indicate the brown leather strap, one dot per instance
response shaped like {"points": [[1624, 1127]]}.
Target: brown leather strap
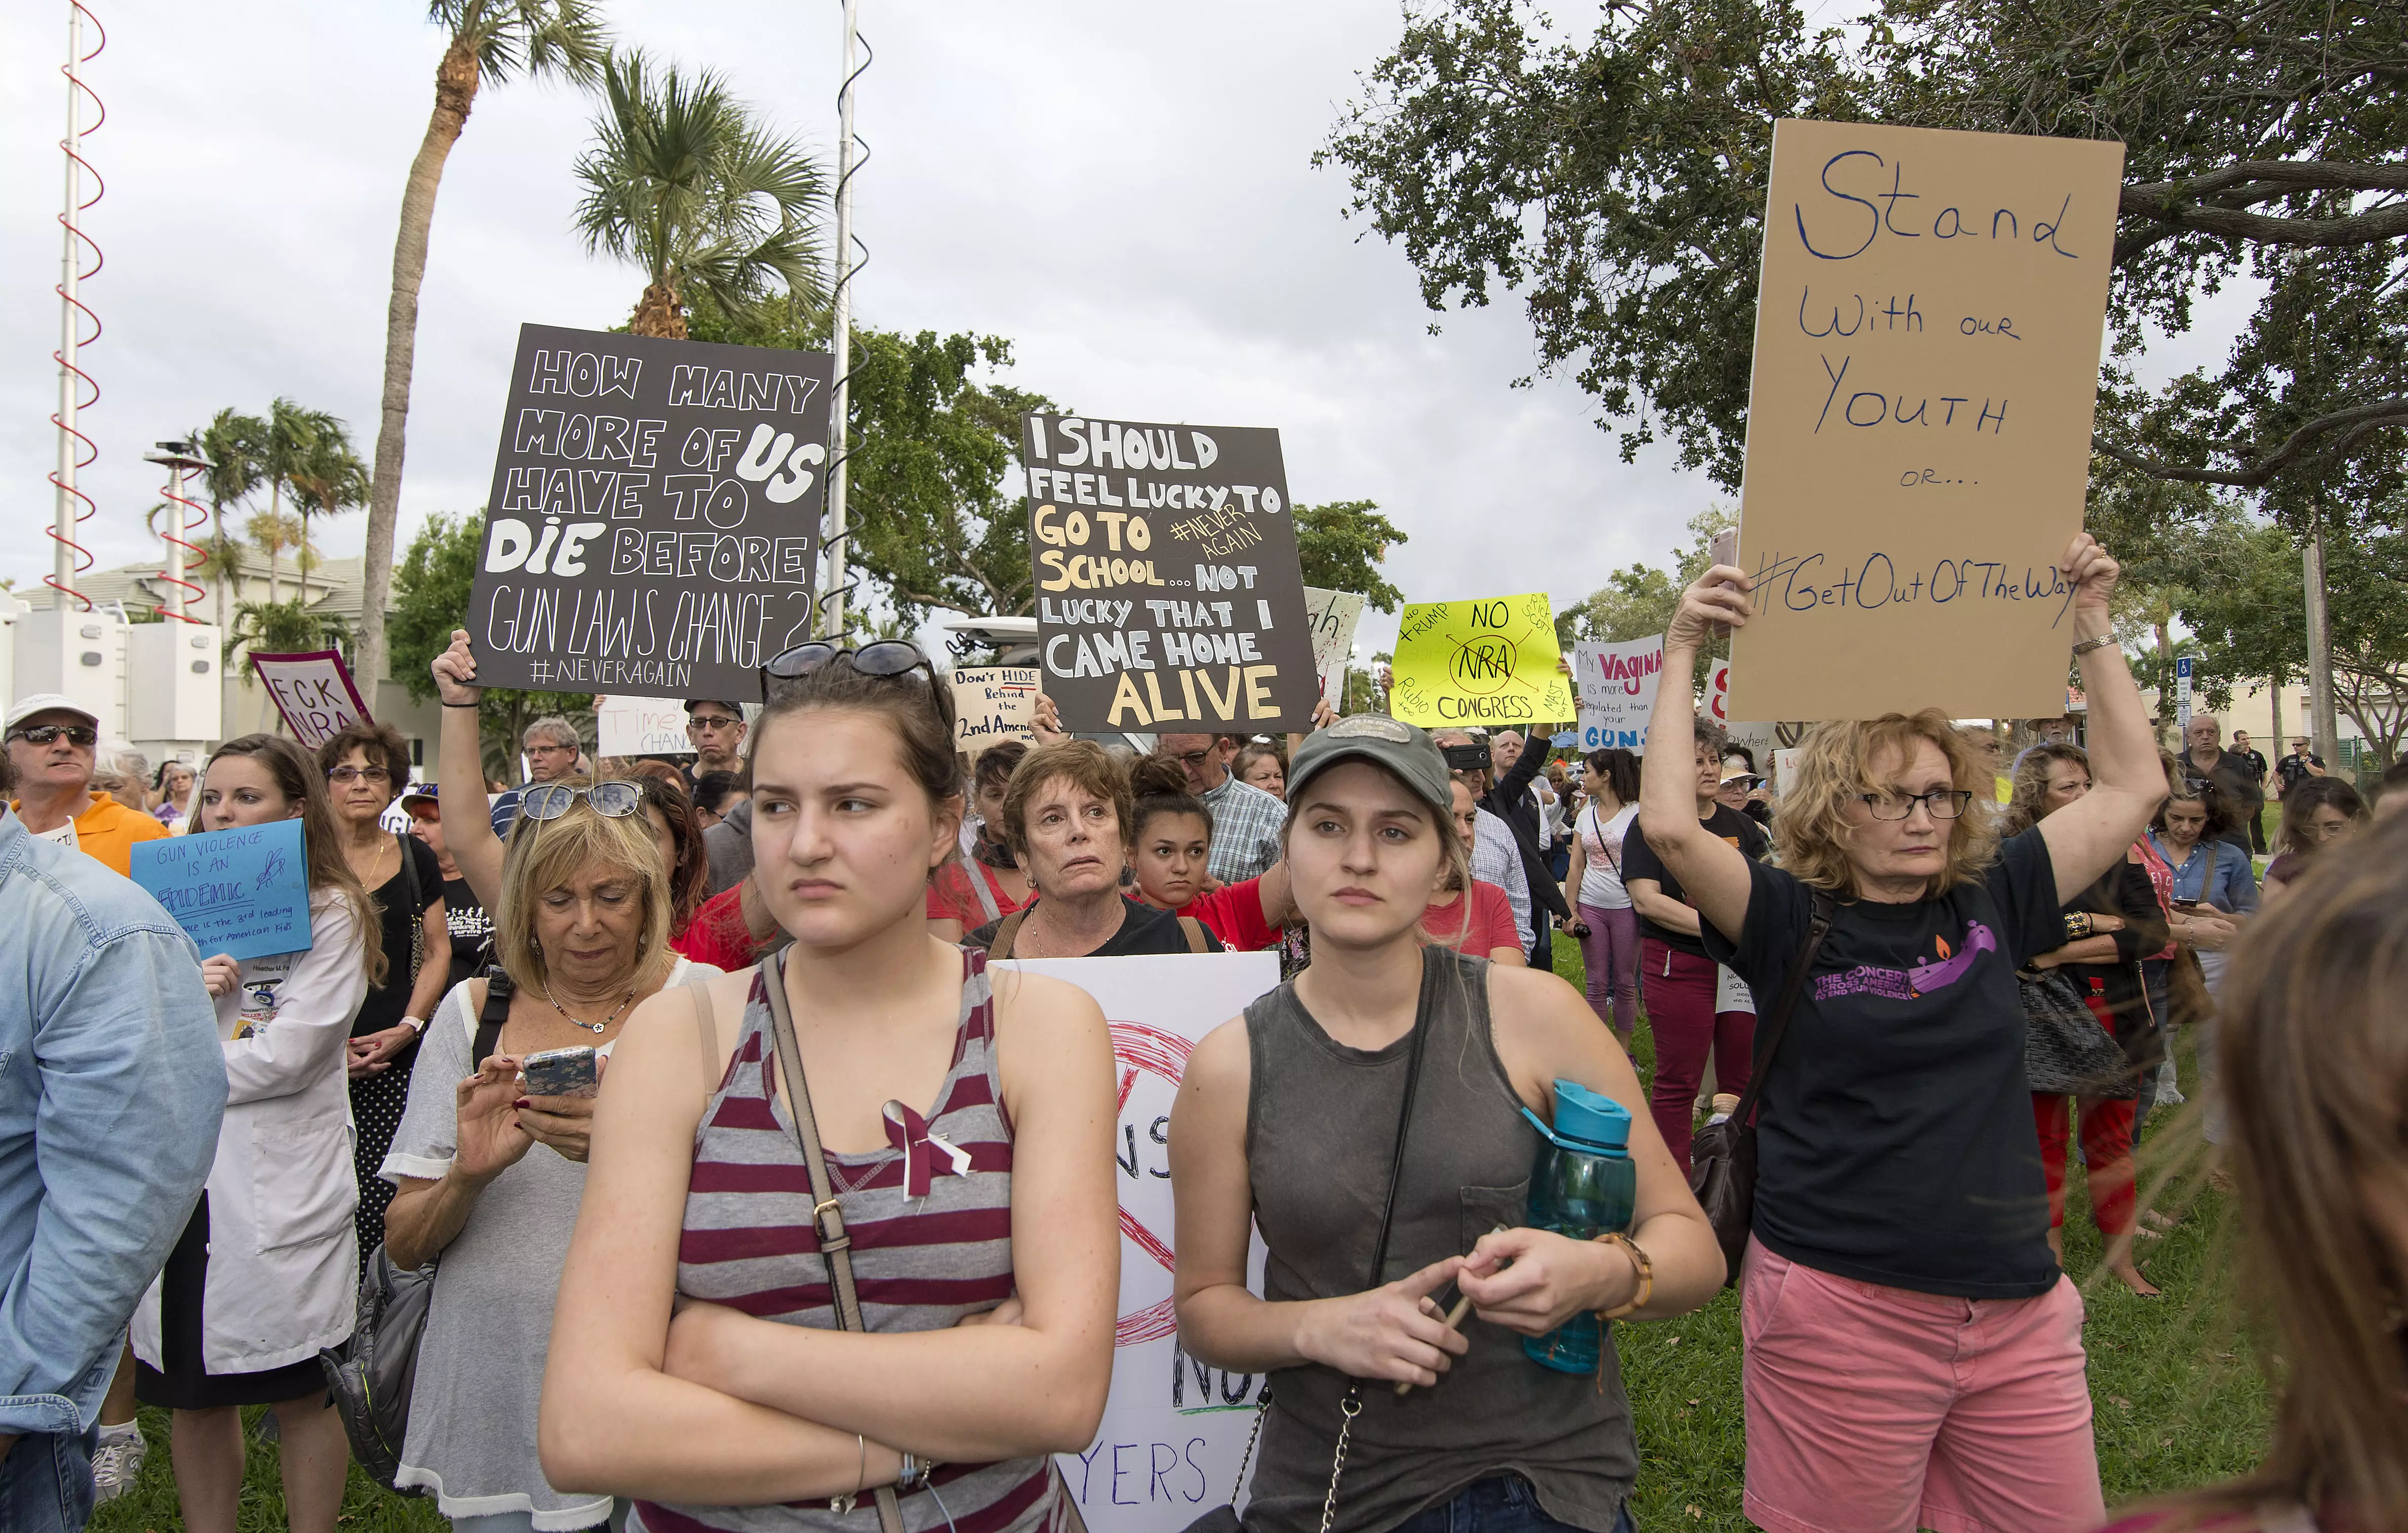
{"points": [[828, 1216], [1194, 930], [706, 1029], [1003, 934]]}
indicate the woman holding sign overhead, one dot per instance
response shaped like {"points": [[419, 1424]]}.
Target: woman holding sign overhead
{"points": [[1913, 1354], [265, 1271]]}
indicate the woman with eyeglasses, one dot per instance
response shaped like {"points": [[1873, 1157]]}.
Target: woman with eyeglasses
{"points": [[966, 1119], [266, 1272], [1914, 1353], [489, 1169]]}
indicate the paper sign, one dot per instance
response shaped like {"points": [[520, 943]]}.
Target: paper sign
{"points": [[1785, 766], [1334, 616], [994, 703], [1167, 592], [653, 520], [243, 892], [1718, 692], [1616, 683], [1173, 1428], [1490, 662], [1927, 336], [313, 693], [640, 726]]}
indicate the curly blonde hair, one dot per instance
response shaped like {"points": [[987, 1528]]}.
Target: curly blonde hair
{"points": [[1812, 833]]}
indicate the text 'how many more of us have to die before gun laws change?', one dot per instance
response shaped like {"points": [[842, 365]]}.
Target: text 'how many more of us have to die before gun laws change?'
{"points": [[653, 523], [1927, 336], [1169, 595]]}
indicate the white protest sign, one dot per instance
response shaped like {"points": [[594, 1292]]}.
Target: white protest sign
{"points": [[640, 726], [994, 703], [1718, 692], [1173, 1428], [313, 693], [1616, 683], [1334, 615]]}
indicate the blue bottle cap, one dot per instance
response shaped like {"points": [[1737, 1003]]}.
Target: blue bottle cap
{"points": [[1586, 1121]]}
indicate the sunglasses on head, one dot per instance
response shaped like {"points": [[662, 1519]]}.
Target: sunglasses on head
{"points": [[43, 734], [612, 801], [888, 658]]}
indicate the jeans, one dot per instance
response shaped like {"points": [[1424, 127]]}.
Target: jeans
{"points": [[46, 1484], [1503, 1503], [1610, 956]]}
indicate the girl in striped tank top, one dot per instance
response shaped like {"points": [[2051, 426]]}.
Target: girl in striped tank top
{"points": [[698, 1367]]}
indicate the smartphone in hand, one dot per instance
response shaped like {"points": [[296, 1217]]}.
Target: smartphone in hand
{"points": [[1723, 550], [562, 1072]]}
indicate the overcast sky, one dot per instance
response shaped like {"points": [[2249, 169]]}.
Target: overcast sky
{"points": [[1125, 192]]}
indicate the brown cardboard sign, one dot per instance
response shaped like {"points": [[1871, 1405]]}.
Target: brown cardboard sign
{"points": [[1927, 337]]}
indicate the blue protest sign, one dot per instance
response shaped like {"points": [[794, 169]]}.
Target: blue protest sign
{"points": [[243, 892]]}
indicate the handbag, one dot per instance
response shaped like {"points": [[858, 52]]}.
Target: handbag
{"points": [[1722, 1158], [417, 908], [1223, 1518], [2066, 1049], [370, 1375]]}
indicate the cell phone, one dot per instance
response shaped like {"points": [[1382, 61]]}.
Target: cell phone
{"points": [[1723, 550], [1466, 758], [562, 1072], [2186, 905]]}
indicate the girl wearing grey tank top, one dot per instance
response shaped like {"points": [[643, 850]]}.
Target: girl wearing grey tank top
{"points": [[1286, 1120]]}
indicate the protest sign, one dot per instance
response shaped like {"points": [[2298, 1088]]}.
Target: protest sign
{"points": [[1173, 1427], [640, 726], [1334, 616], [1928, 332], [1168, 593], [1490, 662], [313, 691], [654, 515], [1718, 692], [994, 703], [1616, 683], [243, 892]]}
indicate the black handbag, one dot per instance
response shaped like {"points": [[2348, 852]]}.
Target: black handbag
{"points": [[2066, 1049], [1722, 1158], [371, 1373]]}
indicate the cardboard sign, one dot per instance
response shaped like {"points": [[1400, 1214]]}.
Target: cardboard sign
{"points": [[313, 691], [1918, 437], [1168, 593], [1334, 616], [243, 892], [1173, 1427], [1616, 683], [1490, 662], [994, 703], [655, 516], [640, 726]]}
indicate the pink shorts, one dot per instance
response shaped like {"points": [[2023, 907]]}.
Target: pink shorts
{"points": [[1873, 1409]]}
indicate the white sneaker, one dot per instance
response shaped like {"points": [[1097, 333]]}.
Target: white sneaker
{"points": [[116, 1464]]}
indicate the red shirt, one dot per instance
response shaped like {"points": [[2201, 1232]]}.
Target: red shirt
{"points": [[952, 898], [1234, 913], [1492, 922], [717, 934]]}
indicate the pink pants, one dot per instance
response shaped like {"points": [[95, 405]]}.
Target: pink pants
{"points": [[1610, 963], [1680, 990], [1873, 1409]]}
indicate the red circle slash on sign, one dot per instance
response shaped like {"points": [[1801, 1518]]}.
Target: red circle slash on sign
{"points": [[1148, 1050]]}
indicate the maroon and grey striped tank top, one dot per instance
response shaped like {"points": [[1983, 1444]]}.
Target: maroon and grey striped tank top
{"points": [[930, 1218]]}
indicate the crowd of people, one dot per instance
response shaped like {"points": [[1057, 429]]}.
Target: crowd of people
{"points": [[827, 1171]]}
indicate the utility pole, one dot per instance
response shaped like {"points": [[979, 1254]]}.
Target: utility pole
{"points": [[832, 595]]}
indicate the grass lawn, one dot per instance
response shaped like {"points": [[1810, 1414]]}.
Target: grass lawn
{"points": [[2179, 1400]]}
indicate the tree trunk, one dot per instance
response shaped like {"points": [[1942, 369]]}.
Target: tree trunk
{"points": [[455, 93], [659, 313], [274, 542], [2323, 725], [2274, 695]]}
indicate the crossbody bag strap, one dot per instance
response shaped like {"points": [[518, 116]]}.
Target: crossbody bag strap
{"points": [[1768, 1030], [500, 987], [828, 1216], [1006, 933], [417, 909], [980, 889]]}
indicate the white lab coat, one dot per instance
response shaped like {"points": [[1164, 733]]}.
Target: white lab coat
{"points": [[283, 1255]]}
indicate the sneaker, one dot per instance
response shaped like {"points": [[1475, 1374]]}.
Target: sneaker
{"points": [[116, 1464]]}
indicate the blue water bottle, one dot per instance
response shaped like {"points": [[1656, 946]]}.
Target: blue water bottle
{"points": [[1583, 1185]]}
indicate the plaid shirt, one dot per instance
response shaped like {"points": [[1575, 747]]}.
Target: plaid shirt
{"points": [[1497, 858], [1246, 824]]}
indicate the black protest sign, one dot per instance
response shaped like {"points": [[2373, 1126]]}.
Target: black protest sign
{"points": [[1168, 593], [655, 518]]}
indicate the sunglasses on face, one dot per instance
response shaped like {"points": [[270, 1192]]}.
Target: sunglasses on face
{"points": [[345, 776], [710, 721], [889, 659], [612, 801], [43, 734]]}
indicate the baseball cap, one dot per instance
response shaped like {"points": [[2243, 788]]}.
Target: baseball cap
{"points": [[1384, 742], [46, 702], [737, 708], [425, 791]]}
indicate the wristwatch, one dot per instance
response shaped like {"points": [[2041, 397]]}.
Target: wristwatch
{"points": [[417, 1024], [1646, 1271]]}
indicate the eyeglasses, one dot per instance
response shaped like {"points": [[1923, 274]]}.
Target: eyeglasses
{"points": [[355, 774], [43, 734], [888, 658], [710, 721], [1194, 758], [612, 801], [1944, 803]]}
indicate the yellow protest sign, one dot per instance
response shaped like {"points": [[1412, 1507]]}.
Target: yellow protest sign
{"points": [[1489, 663], [1927, 333]]}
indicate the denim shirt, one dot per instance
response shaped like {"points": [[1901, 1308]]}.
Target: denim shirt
{"points": [[111, 1086], [2217, 873]]}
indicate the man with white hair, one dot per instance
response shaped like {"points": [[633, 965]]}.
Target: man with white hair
{"points": [[552, 749], [2206, 760]]}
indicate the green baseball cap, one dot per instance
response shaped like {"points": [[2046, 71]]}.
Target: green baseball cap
{"points": [[1405, 751]]}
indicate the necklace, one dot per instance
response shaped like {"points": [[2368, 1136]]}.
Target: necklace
{"points": [[594, 1027]]}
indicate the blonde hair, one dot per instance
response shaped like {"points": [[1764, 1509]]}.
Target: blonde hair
{"points": [[544, 855], [1812, 833]]}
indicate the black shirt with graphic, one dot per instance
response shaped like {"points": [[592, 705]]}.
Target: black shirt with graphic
{"points": [[472, 930], [1639, 861], [1895, 1143], [1143, 930]]}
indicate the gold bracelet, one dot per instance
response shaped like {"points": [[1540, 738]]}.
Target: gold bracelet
{"points": [[1639, 1263], [2089, 644]]}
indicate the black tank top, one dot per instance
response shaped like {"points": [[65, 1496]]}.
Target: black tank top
{"points": [[1320, 1129]]}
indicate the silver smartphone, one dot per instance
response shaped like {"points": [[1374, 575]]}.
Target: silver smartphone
{"points": [[1723, 550], [562, 1072]]}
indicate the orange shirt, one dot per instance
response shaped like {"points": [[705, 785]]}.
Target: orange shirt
{"points": [[107, 832]]}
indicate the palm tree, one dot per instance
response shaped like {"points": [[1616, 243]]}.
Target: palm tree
{"points": [[273, 533], [235, 444], [327, 476], [490, 39], [295, 439], [684, 183]]}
